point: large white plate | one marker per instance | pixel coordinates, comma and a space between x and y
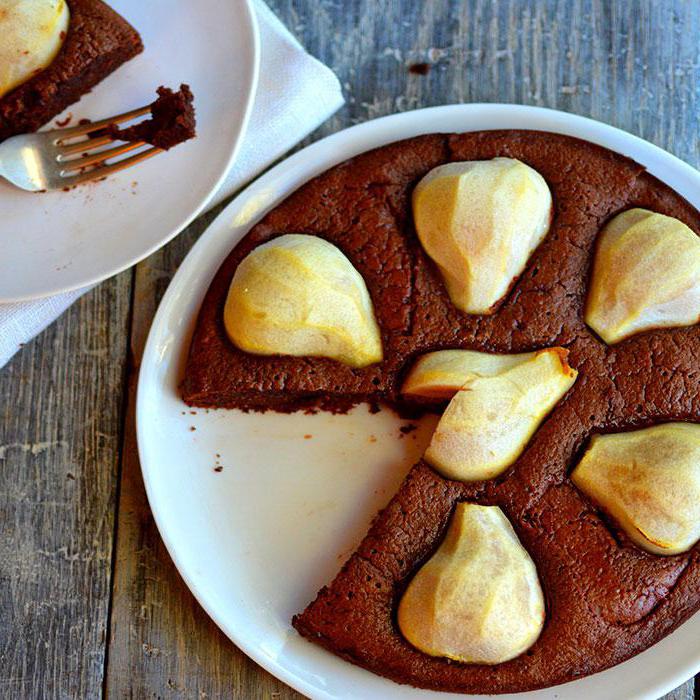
256, 541
58, 241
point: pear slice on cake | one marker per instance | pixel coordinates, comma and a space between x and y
480, 221
32, 34
442, 373
646, 274
649, 482
299, 295
491, 418
478, 599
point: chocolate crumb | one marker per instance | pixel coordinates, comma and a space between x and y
218, 469
419, 68
172, 120
192, 427
64, 122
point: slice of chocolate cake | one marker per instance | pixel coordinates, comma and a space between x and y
97, 42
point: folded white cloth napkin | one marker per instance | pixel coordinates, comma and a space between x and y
295, 94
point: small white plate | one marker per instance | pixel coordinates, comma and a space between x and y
255, 541
56, 241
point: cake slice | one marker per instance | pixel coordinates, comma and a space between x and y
98, 41
605, 601
360, 207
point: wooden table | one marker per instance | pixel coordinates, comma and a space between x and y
90, 602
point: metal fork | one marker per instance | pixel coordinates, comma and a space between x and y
60, 158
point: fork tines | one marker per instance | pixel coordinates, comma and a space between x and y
78, 158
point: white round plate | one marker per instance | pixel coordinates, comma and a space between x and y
255, 541
57, 241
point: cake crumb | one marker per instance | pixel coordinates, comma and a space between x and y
192, 428
307, 437
373, 438
419, 68
172, 120
64, 122
406, 429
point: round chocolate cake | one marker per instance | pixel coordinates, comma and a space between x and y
606, 599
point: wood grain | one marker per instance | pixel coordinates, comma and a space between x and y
632, 64
60, 434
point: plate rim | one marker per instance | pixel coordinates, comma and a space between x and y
353, 138
249, 19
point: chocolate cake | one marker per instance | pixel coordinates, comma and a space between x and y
98, 42
606, 599
172, 120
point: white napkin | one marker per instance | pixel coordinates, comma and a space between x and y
295, 94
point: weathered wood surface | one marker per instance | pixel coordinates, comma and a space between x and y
83, 611
60, 439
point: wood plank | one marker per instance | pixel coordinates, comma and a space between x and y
585, 56
60, 422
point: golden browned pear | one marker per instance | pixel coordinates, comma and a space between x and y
442, 373
646, 274
480, 221
299, 295
649, 482
32, 33
490, 420
477, 599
